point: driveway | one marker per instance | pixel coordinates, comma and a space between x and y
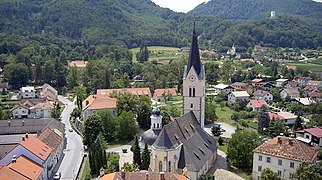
229, 129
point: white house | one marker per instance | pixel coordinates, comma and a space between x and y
41, 110
28, 92
285, 117
223, 89
259, 94
46, 91
304, 101
290, 92
234, 96
311, 136
20, 111
282, 155
35, 150
92, 104
281, 82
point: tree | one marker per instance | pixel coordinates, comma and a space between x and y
16, 74
144, 112
263, 119
307, 171
136, 152
80, 93
108, 124
216, 130
145, 158
240, 148
73, 77
268, 174
298, 123
130, 167
210, 113
97, 156
126, 102
206, 177
143, 55
93, 126
48, 72
56, 112
126, 126
275, 128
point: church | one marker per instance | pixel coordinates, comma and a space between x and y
183, 146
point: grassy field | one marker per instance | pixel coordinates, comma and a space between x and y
87, 170
160, 53
223, 148
224, 115
307, 66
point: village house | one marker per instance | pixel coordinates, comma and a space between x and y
292, 93
33, 149
317, 84
55, 140
28, 92
264, 85
134, 91
143, 175
291, 68
239, 86
311, 136
41, 110
256, 104
255, 82
161, 94
302, 81
20, 111
292, 84
234, 96
282, 155
78, 64
309, 89
316, 96
259, 48
22, 168
223, 89
8, 142
46, 91
259, 94
304, 101
286, 118
281, 82
92, 104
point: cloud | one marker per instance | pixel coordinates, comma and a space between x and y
179, 5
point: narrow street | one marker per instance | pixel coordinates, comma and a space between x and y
73, 152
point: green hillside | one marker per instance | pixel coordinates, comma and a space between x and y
250, 10
131, 22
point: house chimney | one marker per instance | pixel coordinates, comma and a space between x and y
9, 123
123, 175
23, 138
14, 158
23, 122
26, 135
279, 140
146, 176
290, 141
162, 176
101, 172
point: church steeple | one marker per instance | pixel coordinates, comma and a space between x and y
194, 57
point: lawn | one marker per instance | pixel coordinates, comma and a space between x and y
306, 66
239, 172
223, 148
224, 115
86, 170
160, 53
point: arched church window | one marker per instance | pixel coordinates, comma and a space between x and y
160, 166
169, 166
191, 105
157, 125
194, 92
190, 92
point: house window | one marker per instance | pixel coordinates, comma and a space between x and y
279, 173
307, 136
291, 164
190, 92
158, 125
259, 169
268, 160
191, 105
260, 158
169, 166
280, 162
153, 125
194, 92
160, 166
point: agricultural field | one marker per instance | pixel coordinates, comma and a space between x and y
307, 66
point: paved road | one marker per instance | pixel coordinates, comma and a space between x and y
74, 152
229, 130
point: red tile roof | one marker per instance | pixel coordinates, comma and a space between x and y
315, 95
134, 91
51, 139
317, 132
257, 103
287, 148
291, 67
78, 64
35, 146
281, 116
26, 167
160, 92
142, 175
99, 102
9, 174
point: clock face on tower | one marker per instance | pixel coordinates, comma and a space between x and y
192, 78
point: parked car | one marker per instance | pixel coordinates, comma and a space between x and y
71, 130
57, 176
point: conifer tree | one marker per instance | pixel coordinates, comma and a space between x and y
263, 119
145, 158
136, 152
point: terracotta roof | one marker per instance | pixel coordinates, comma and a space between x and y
17, 106
36, 147
26, 167
134, 91
287, 148
100, 102
50, 138
9, 174
317, 132
142, 175
257, 80
44, 106
291, 67
160, 92
243, 85
315, 95
78, 64
257, 103
260, 93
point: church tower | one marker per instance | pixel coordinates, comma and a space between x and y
194, 83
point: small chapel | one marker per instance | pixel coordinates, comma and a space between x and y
183, 146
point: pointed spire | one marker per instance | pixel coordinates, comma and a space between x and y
194, 57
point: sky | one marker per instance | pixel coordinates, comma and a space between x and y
183, 5
179, 5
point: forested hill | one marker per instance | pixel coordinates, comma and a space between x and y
129, 22
250, 10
